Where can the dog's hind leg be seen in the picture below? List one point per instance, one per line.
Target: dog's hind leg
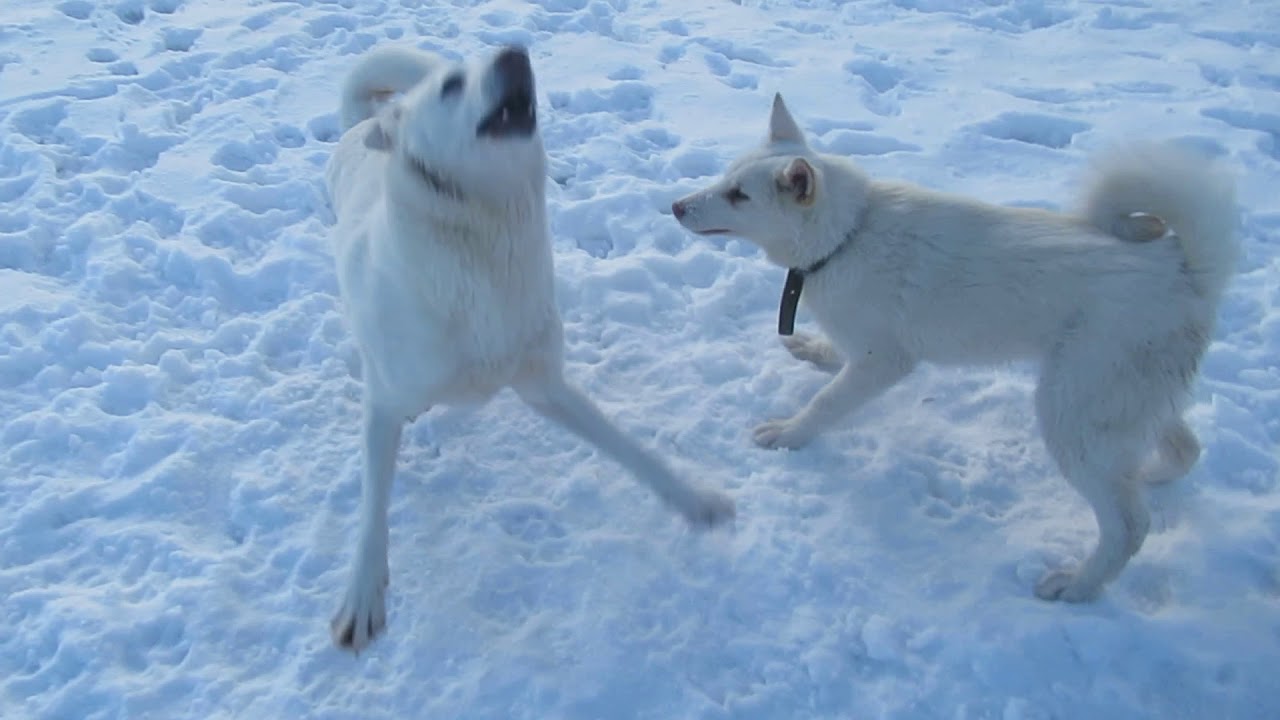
(857, 382)
(815, 350)
(1176, 452)
(552, 397)
(1123, 522)
(1103, 467)
(363, 614)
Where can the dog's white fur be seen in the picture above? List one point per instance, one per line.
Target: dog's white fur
(445, 270)
(1116, 311)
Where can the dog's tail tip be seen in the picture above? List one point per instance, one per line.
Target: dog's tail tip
(1142, 190)
(380, 74)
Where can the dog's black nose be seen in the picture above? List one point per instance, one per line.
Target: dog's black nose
(677, 209)
(512, 66)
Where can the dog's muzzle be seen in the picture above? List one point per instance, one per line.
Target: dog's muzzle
(515, 115)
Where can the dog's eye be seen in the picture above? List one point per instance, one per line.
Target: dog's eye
(452, 85)
(735, 195)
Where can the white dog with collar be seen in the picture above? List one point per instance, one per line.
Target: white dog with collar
(1116, 303)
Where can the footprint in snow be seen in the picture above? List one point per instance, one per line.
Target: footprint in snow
(131, 12)
(13, 223)
(76, 9)
(328, 24)
(717, 63)
(734, 51)
(804, 28)
(849, 142)
(165, 218)
(671, 53)
(177, 39)
(1113, 19)
(101, 55)
(40, 124)
(1022, 17)
(1032, 128)
(288, 136)
(13, 187)
(880, 77)
(325, 128)
(626, 72)
(165, 7)
(675, 27)
(630, 100)
(1265, 123)
(134, 150)
(240, 157)
(528, 521)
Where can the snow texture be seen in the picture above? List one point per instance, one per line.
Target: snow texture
(179, 414)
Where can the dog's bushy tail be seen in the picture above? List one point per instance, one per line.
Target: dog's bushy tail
(1187, 191)
(379, 75)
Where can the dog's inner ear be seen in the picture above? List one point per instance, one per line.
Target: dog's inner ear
(799, 180)
(783, 127)
(382, 133)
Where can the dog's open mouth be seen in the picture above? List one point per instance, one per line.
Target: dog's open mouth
(515, 114)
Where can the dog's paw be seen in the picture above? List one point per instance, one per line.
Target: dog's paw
(708, 509)
(1065, 586)
(362, 615)
(812, 349)
(776, 434)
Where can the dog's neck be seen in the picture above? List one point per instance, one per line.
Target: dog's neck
(845, 241)
(794, 285)
(438, 183)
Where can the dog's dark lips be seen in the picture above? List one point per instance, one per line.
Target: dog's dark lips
(712, 231)
(515, 116)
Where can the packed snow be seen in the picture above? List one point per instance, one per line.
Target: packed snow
(179, 409)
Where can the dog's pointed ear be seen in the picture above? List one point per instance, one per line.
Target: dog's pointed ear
(783, 127)
(799, 180)
(383, 130)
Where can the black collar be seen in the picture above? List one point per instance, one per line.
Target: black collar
(441, 185)
(795, 285)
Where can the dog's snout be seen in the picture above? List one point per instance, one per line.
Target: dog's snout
(678, 209)
(513, 54)
(512, 66)
(510, 87)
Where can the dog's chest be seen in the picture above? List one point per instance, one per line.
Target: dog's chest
(845, 299)
(492, 319)
(456, 326)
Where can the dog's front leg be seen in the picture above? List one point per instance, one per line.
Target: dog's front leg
(552, 397)
(856, 383)
(815, 350)
(363, 613)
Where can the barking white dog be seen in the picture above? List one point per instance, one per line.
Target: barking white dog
(1116, 303)
(446, 274)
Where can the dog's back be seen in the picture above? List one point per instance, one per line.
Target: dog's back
(989, 283)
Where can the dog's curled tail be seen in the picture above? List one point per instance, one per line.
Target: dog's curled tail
(1170, 187)
(379, 75)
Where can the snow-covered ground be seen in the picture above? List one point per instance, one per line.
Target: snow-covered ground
(178, 419)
